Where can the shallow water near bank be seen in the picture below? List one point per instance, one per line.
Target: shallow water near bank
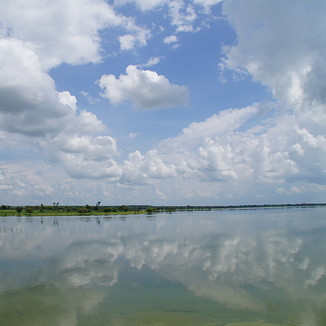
(231, 267)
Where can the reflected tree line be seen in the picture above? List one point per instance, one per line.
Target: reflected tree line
(10, 229)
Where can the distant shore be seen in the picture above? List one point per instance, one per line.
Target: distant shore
(97, 210)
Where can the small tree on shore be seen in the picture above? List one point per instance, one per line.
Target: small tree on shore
(150, 210)
(29, 210)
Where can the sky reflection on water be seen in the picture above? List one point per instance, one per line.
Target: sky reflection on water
(194, 268)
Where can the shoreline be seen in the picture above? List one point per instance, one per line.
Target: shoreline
(28, 211)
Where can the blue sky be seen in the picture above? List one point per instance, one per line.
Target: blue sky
(162, 102)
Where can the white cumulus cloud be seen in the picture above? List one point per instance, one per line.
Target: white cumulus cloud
(145, 88)
(64, 32)
(170, 39)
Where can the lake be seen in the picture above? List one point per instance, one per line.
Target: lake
(258, 267)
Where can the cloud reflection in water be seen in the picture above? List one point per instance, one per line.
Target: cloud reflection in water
(239, 259)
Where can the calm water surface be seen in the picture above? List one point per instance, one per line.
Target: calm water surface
(235, 268)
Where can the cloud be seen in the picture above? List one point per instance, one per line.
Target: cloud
(95, 148)
(138, 38)
(85, 156)
(277, 147)
(239, 146)
(225, 122)
(139, 169)
(183, 16)
(145, 88)
(133, 135)
(151, 62)
(66, 32)
(144, 5)
(279, 45)
(222, 148)
(66, 98)
(29, 103)
(170, 39)
(207, 3)
(20, 180)
(89, 98)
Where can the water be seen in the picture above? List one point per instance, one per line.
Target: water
(235, 268)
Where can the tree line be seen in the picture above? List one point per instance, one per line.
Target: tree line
(97, 209)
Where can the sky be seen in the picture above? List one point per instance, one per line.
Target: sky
(162, 102)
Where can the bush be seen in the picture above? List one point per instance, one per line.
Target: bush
(150, 210)
(29, 210)
(19, 209)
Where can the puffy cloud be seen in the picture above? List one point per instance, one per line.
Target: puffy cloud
(145, 88)
(223, 149)
(22, 180)
(237, 145)
(139, 37)
(66, 32)
(96, 148)
(170, 39)
(183, 16)
(79, 166)
(217, 161)
(85, 156)
(225, 122)
(29, 103)
(37, 38)
(66, 98)
(279, 45)
(140, 168)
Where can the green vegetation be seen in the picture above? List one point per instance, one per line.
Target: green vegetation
(56, 210)
(87, 210)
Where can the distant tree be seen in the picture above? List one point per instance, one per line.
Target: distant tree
(19, 209)
(83, 210)
(29, 210)
(123, 208)
(97, 205)
(150, 210)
